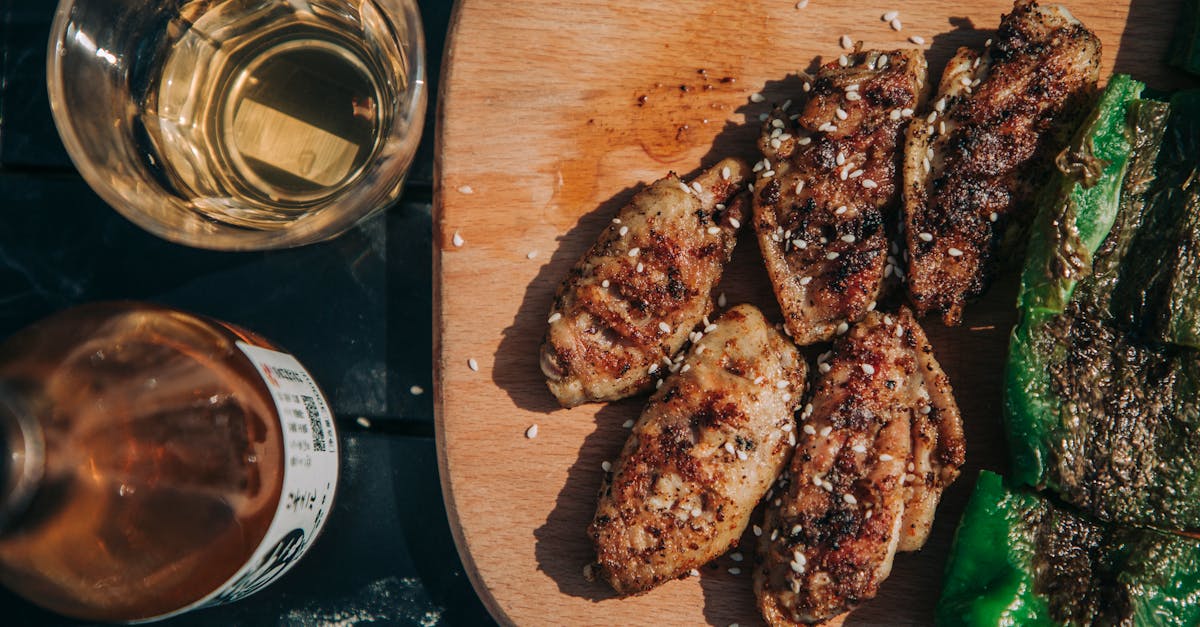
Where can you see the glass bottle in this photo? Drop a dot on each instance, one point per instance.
(155, 462)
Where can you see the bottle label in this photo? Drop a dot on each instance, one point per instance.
(309, 479)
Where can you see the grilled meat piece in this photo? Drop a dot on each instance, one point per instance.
(971, 167)
(828, 184)
(708, 446)
(643, 287)
(850, 495)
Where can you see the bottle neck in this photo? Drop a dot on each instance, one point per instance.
(23, 453)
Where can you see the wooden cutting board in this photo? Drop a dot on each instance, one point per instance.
(553, 113)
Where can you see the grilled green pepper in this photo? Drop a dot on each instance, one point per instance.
(1075, 215)
(1103, 397)
(1019, 559)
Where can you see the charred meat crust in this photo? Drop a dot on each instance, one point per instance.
(852, 496)
(827, 186)
(643, 287)
(973, 163)
(707, 447)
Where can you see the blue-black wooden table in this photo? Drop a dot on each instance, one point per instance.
(356, 311)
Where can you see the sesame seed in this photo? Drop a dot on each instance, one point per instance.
(457, 240)
(925, 237)
(890, 15)
(802, 4)
(868, 183)
(729, 448)
(993, 216)
(659, 384)
(853, 96)
(841, 113)
(363, 422)
(840, 210)
(940, 105)
(895, 23)
(805, 280)
(828, 487)
(710, 328)
(616, 220)
(799, 186)
(806, 86)
(693, 572)
(868, 369)
(797, 567)
(845, 173)
(633, 252)
(899, 331)
(840, 159)
(604, 283)
(848, 238)
(842, 328)
(735, 571)
(843, 61)
(954, 252)
(906, 112)
(769, 173)
(782, 383)
(804, 141)
(664, 327)
(554, 317)
(696, 512)
(809, 429)
(832, 255)
(926, 165)
(416, 390)
(883, 61)
(774, 534)
(857, 173)
(845, 41)
(472, 364)
(725, 173)
(966, 80)
(624, 230)
(886, 458)
(757, 531)
(713, 230)
(825, 431)
(932, 117)
(736, 556)
(756, 97)
(696, 186)
(734, 223)
(926, 409)
(742, 455)
(895, 114)
(685, 187)
(849, 499)
(917, 39)
(721, 300)
(532, 431)
(466, 189)
(777, 124)
(824, 368)
(858, 448)
(606, 466)
(799, 243)
(640, 267)
(871, 306)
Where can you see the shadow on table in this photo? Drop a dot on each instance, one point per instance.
(562, 546)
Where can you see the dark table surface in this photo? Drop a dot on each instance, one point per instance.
(356, 311)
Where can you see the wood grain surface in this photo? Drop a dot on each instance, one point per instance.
(553, 113)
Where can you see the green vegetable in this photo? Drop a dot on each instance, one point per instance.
(1103, 397)
(1185, 47)
(1075, 216)
(1019, 559)
(1082, 201)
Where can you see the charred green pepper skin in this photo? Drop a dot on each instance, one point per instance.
(1011, 545)
(1101, 149)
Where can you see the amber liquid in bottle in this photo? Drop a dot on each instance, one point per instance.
(163, 460)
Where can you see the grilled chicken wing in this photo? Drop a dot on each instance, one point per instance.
(972, 165)
(708, 446)
(849, 489)
(643, 287)
(827, 184)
